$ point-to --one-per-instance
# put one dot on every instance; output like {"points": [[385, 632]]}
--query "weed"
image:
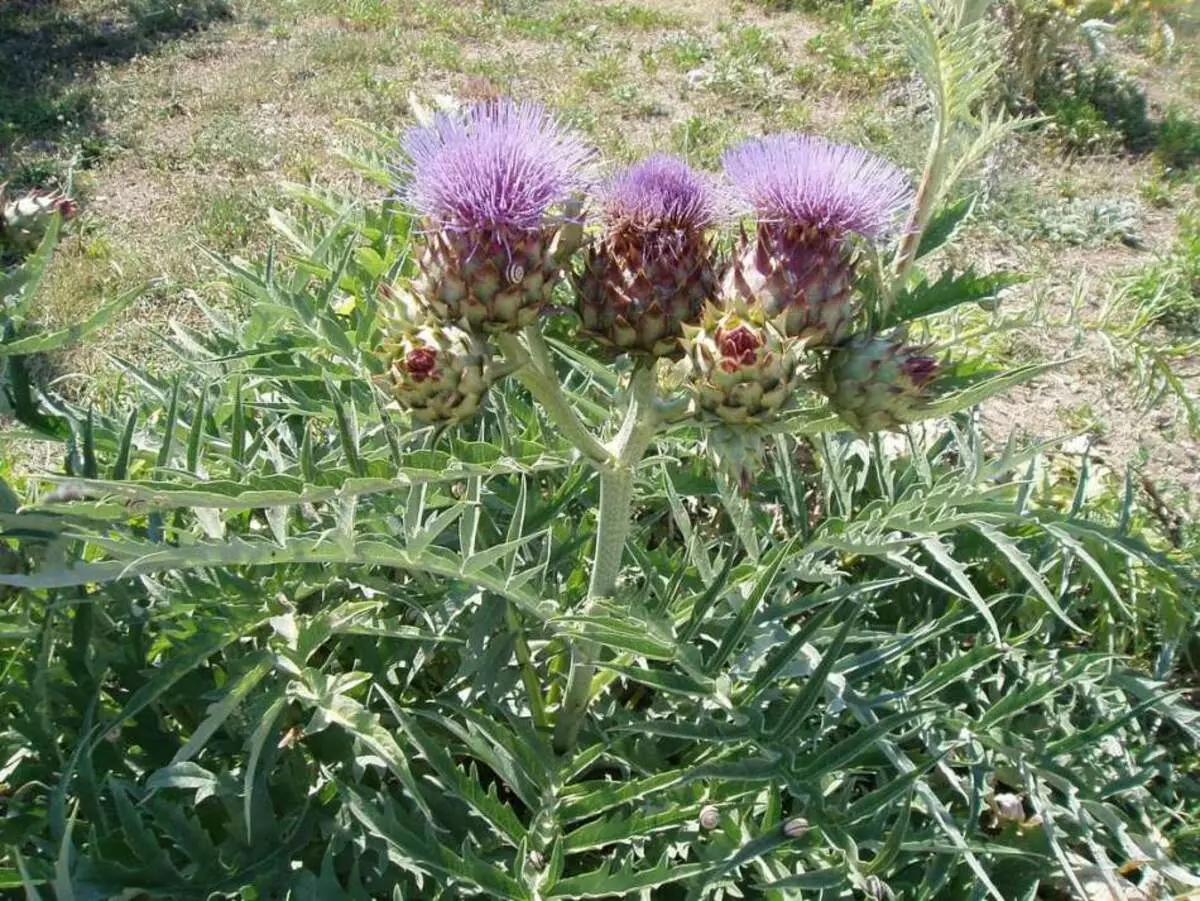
{"points": [[366, 14], [684, 51], [852, 66], [1095, 107], [1171, 286], [630, 15], [702, 141], [1080, 128], [1155, 192], [1178, 144], [231, 221], [746, 68], [1082, 418], [1086, 222], [604, 74]]}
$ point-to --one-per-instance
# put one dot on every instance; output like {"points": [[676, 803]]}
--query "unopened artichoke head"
{"points": [[878, 383], [496, 190], [650, 273], [24, 220], [743, 370], [808, 195], [439, 373]]}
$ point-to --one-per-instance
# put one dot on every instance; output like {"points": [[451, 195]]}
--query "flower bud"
{"points": [[23, 222], [436, 372], [742, 370], [879, 383], [1009, 807]]}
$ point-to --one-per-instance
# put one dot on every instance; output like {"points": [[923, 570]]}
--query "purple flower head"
{"points": [[661, 192], [804, 180], [502, 166]]}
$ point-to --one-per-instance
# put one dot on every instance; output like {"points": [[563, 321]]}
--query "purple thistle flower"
{"points": [[807, 181], [503, 166], [651, 272], [660, 192]]}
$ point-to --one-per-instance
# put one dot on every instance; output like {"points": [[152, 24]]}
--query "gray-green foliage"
{"points": [[263, 642]]}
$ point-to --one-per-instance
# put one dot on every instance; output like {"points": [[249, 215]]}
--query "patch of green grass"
{"points": [[366, 14], [231, 220], [684, 51], [463, 21], [631, 15], [236, 141], [332, 51], [752, 44], [1178, 145], [793, 116], [49, 99], [440, 51], [746, 68], [1156, 192], [702, 140], [851, 65], [603, 74], [1171, 286], [1082, 418]]}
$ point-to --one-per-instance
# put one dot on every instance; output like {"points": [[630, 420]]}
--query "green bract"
{"points": [[879, 383], [743, 370], [439, 373], [490, 284]]}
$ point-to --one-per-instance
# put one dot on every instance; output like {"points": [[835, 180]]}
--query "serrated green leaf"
{"points": [[948, 292], [407, 847], [623, 883]]}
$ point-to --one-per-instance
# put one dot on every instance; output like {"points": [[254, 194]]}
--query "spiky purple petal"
{"points": [[807, 181], [660, 192], [502, 166]]}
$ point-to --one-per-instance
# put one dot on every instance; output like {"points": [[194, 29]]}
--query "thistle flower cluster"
{"points": [[500, 194]]}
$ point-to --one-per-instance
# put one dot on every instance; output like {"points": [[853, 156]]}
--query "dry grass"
{"points": [[180, 131]]}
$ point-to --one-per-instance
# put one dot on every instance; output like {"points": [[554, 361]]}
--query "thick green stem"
{"points": [[616, 506], [538, 377], [923, 204]]}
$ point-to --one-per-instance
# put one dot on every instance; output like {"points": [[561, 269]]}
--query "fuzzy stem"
{"points": [[922, 210], [616, 506], [538, 377]]}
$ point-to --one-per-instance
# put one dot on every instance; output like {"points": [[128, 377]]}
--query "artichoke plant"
{"points": [[877, 383], [24, 220], [495, 190], [437, 371], [744, 371], [809, 195], [557, 655], [651, 271]]}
